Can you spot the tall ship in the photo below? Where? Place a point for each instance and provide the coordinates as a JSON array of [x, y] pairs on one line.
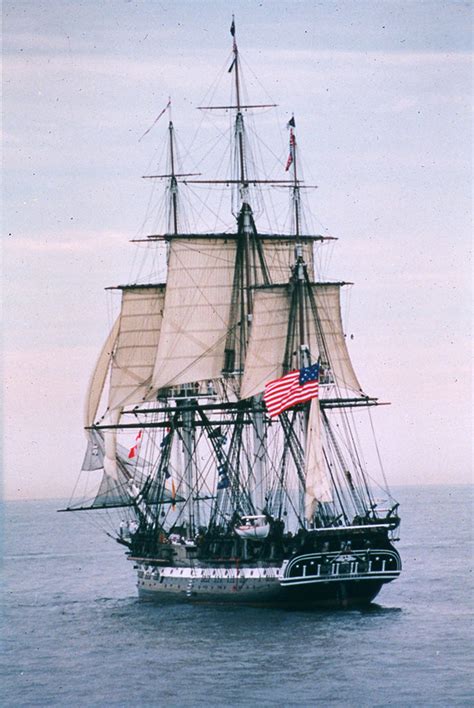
[[222, 413]]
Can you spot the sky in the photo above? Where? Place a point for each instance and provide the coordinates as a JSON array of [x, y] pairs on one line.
[[381, 90]]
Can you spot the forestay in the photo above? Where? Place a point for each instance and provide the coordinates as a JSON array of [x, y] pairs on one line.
[[317, 487]]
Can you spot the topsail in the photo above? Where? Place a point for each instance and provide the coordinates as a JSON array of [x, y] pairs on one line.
[[274, 317]]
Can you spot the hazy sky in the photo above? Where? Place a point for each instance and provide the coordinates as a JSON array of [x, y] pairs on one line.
[[381, 90]]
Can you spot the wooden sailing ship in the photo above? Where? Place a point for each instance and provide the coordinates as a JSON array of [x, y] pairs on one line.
[[228, 494]]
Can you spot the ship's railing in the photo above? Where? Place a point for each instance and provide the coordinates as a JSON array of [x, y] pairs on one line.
[[375, 563]]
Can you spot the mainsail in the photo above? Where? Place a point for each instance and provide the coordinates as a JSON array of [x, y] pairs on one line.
[[196, 311]]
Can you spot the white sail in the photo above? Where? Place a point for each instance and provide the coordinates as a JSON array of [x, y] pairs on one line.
[[328, 305], [280, 257], [113, 489], [318, 488], [268, 338], [94, 455], [266, 350], [99, 375], [110, 444], [196, 311], [136, 347]]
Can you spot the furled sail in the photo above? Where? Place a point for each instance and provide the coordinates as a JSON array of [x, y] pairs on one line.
[[196, 311], [317, 489], [134, 355], [97, 380], [268, 339]]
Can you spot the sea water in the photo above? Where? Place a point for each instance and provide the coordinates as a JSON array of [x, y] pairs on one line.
[[75, 634]]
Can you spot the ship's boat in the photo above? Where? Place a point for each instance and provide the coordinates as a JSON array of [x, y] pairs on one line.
[[255, 527], [222, 415]]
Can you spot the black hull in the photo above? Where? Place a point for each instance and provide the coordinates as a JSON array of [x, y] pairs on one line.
[[341, 596], [308, 581]]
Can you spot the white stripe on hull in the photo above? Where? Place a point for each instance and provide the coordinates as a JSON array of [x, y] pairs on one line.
[[259, 585]]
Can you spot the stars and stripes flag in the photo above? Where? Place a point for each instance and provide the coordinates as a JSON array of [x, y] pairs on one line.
[[289, 162], [296, 387], [134, 449]]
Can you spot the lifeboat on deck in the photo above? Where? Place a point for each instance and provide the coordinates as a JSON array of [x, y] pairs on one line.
[[253, 527]]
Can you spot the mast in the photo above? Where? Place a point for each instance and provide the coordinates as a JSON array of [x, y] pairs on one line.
[[300, 264], [239, 119], [245, 219], [189, 450], [173, 182], [188, 432], [256, 477]]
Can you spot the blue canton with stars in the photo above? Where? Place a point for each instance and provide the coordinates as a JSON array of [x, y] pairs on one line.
[[309, 373]]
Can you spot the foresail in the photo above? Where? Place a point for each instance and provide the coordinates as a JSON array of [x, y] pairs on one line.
[[328, 304], [270, 328], [196, 311], [137, 343]]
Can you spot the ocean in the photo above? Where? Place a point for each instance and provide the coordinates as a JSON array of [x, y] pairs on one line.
[[74, 633]]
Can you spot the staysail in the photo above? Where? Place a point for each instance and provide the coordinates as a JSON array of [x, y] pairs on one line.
[[317, 489], [99, 375]]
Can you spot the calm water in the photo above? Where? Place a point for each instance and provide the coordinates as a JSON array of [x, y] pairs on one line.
[[75, 634]]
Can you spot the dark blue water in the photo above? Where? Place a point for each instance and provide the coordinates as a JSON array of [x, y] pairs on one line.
[[75, 634]]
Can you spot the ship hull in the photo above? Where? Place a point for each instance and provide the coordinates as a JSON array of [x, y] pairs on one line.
[[342, 595], [308, 581]]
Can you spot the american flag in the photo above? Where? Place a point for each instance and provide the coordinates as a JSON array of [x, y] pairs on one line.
[[292, 150], [296, 387]]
